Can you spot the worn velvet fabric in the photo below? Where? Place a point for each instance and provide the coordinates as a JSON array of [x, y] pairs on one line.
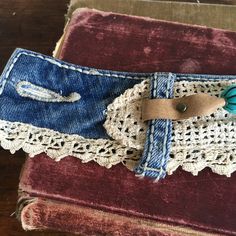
[[120, 42], [88, 221], [110, 41], [205, 202]]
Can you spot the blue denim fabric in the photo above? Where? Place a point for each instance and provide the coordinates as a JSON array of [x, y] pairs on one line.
[[86, 116], [157, 145], [158, 138]]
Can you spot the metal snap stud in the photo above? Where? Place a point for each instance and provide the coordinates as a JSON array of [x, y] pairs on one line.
[[181, 107]]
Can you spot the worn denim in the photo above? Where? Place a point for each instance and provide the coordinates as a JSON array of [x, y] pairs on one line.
[[157, 146], [36, 75], [84, 117]]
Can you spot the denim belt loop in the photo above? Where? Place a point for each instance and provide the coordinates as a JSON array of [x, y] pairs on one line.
[[158, 139]]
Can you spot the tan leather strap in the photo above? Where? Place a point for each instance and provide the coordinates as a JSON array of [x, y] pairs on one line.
[[181, 108]]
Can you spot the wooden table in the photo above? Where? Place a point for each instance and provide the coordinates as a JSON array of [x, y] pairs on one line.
[[34, 25]]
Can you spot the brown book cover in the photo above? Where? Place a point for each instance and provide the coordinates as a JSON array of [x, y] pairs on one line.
[[181, 204]]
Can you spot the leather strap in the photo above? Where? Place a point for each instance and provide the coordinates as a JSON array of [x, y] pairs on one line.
[[181, 108]]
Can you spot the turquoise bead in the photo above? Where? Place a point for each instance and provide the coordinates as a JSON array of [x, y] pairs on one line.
[[229, 94]]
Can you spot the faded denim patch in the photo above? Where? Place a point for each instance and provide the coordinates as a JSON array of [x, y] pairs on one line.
[[89, 91]]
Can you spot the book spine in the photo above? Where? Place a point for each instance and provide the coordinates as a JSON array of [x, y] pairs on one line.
[[41, 214]]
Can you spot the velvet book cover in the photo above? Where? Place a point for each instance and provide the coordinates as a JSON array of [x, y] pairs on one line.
[[91, 200]]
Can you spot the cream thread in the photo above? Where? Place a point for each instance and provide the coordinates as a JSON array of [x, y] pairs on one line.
[[29, 90]]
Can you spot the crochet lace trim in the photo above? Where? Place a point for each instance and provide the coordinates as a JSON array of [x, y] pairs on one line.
[[34, 140], [123, 122], [197, 143]]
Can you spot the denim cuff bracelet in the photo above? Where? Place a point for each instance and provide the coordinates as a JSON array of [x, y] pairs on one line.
[[63, 109]]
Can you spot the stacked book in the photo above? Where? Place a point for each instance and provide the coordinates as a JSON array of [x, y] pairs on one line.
[[88, 199]]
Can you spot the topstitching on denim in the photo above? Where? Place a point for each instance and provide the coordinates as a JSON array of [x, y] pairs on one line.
[[84, 94]]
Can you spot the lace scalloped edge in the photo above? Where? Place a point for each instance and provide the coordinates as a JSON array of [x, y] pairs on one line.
[[191, 158], [34, 140], [196, 164]]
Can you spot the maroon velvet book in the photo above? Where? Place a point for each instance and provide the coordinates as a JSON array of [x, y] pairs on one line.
[[91, 200]]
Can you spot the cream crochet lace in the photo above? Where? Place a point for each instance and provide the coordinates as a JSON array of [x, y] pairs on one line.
[[197, 143], [34, 140]]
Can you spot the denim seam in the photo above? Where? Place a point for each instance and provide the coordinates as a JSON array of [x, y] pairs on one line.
[[146, 166], [84, 71], [159, 170], [92, 71], [153, 92], [164, 150], [97, 72]]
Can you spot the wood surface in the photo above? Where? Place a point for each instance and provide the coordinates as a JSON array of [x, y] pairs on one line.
[[37, 25]]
